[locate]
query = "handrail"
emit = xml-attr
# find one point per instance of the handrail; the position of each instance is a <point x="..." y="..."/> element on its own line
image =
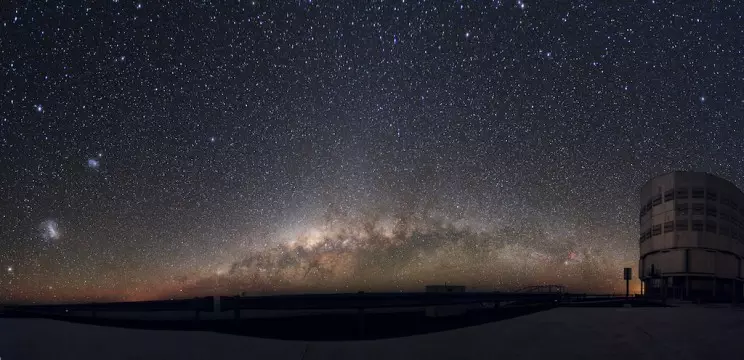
<point x="299" y="302"/>
<point x="374" y="300"/>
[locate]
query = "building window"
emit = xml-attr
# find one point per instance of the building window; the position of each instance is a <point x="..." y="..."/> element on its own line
<point x="648" y="234"/>
<point x="725" y="215"/>
<point x="669" y="195"/>
<point x="698" y="193"/>
<point x="656" y="230"/>
<point x="668" y="227"/>
<point x="724" y="230"/>
<point x="697" y="225"/>
<point x="712" y="211"/>
<point x="711" y="227"/>
<point x="648" y="206"/>
<point x="698" y="209"/>
<point x="683" y="209"/>
<point x="712" y="195"/>
<point x="656" y="200"/>
<point x="681" y="193"/>
<point x="682" y="225"/>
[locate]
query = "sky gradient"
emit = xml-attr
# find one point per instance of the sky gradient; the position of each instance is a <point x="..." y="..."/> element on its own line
<point x="156" y="151"/>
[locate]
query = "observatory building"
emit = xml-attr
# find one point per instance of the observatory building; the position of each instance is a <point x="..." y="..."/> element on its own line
<point x="691" y="231"/>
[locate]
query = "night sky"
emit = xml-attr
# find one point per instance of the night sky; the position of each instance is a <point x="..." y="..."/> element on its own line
<point x="156" y="151"/>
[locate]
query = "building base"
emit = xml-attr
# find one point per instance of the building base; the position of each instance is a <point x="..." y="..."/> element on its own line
<point x="695" y="288"/>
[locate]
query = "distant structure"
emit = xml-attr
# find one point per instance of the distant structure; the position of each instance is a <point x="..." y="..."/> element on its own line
<point x="543" y="289"/>
<point x="444" y="288"/>
<point x="691" y="230"/>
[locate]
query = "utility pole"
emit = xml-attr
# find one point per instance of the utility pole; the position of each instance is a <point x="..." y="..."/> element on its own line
<point x="627" y="289"/>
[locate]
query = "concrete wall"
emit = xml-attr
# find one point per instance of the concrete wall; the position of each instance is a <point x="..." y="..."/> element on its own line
<point x="702" y="262"/>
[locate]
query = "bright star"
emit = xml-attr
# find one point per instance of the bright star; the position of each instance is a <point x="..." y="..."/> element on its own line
<point x="39" y="108"/>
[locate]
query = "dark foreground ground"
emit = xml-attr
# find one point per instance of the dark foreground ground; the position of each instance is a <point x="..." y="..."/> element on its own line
<point x="333" y="326"/>
<point x="326" y="327"/>
<point x="685" y="332"/>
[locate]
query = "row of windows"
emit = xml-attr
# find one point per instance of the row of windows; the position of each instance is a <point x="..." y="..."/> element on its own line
<point x="697" y="225"/>
<point x="684" y="193"/>
<point x="694" y="225"/>
<point x="711" y="211"/>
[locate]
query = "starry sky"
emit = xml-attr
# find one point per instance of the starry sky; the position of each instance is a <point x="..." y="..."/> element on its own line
<point x="153" y="150"/>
